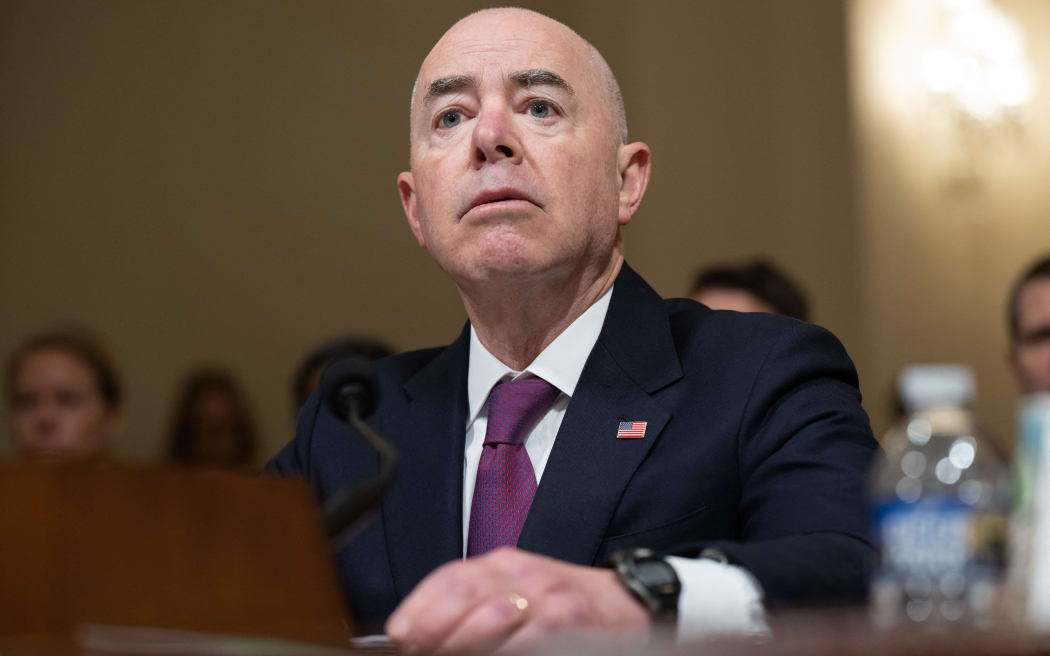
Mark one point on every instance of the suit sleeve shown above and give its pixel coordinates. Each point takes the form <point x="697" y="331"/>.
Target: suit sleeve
<point x="805" y="447"/>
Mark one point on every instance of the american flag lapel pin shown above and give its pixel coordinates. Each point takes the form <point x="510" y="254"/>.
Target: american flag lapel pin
<point x="628" y="430"/>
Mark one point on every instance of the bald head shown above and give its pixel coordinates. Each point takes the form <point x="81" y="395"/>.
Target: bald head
<point x="520" y="20"/>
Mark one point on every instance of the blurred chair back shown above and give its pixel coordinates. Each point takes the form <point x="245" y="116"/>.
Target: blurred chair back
<point x="176" y="548"/>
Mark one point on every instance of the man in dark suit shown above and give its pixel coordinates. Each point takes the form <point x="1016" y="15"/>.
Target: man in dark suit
<point x="578" y="416"/>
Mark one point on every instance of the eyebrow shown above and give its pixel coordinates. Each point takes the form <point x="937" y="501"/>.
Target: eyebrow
<point x="538" y="77"/>
<point x="533" y="77"/>
<point x="448" y="84"/>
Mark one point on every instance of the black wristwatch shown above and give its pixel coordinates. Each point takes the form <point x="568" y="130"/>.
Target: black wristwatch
<point x="651" y="580"/>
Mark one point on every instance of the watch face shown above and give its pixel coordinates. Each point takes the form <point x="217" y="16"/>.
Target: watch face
<point x="650" y="579"/>
<point x="658" y="576"/>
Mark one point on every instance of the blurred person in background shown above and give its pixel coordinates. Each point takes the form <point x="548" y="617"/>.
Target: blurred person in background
<point x="212" y="425"/>
<point x="308" y="374"/>
<point x="752" y="287"/>
<point x="64" y="397"/>
<point x="1028" y="317"/>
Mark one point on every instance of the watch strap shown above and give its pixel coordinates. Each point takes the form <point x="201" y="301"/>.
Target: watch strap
<point x="650" y="579"/>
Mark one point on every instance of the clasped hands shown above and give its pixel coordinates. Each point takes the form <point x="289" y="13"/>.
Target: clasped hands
<point x="508" y="601"/>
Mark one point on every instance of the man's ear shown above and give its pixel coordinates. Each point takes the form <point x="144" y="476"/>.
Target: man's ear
<point x="633" y="160"/>
<point x="408" y="202"/>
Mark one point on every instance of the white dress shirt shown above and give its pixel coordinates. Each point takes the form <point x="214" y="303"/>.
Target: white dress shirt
<point x="716" y="598"/>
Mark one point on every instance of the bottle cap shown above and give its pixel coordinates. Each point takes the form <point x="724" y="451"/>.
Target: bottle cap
<point x="928" y="385"/>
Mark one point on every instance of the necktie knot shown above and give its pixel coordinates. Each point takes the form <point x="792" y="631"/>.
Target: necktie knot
<point x="514" y="406"/>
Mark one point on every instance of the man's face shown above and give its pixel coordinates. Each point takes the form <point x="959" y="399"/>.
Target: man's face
<point x="1031" y="352"/>
<point x="58" y="410"/>
<point x="515" y="158"/>
<point x="216" y="440"/>
<point x="725" y="298"/>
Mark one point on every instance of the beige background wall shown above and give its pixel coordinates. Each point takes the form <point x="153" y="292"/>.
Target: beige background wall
<point x="214" y="182"/>
<point x="944" y="228"/>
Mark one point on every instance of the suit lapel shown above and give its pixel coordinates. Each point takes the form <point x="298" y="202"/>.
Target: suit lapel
<point x="423" y="511"/>
<point x="589" y="467"/>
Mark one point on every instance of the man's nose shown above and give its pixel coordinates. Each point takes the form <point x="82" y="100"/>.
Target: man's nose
<point x="44" y="425"/>
<point x="496" y="138"/>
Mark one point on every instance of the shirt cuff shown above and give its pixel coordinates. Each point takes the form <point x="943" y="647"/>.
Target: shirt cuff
<point x="717" y="599"/>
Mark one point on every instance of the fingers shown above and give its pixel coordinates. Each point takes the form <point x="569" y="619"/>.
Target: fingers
<point x="586" y="608"/>
<point x="510" y="600"/>
<point x="560" y="613"/>
<point x="489" y="625"/>
<point x="438" y="604"/>
<point x="447" y="599"/>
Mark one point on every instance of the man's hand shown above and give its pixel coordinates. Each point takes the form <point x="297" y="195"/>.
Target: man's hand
<point x="509" y="600"/>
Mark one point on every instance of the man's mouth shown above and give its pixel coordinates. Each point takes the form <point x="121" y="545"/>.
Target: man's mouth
<point x="504" y="196"/>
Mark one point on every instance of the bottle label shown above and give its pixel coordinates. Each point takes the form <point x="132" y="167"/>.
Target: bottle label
<point x="942" y="561"/>
<point x="937" y="535"/>
<point x="1031" y="564"/>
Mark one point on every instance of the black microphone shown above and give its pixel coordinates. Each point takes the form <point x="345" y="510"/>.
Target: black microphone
<point x="350" y="391"/>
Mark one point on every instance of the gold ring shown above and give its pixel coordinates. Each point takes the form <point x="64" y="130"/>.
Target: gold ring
<point x="519" y="602"/>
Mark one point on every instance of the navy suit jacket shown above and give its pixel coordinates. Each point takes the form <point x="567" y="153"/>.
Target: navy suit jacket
<point x="756" y="444"/>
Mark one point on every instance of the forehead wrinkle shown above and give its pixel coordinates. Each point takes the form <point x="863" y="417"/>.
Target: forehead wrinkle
<point x="487" y="42"/>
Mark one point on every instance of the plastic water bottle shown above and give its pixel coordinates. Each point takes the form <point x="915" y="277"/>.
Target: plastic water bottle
<point x="940" y="504"/>
<point x="1029" y="572"/>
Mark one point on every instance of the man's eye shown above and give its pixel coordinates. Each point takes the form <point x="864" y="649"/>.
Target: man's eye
<point x="540" y="109"/>
<point x="450" y="119"/>
<point x="1037" y="337"/>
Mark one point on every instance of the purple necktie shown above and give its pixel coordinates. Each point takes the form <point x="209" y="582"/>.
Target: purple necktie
<point x="505" y="484"/>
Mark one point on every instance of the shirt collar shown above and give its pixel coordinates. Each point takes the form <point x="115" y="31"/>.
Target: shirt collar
<point x="560" y="364"/>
